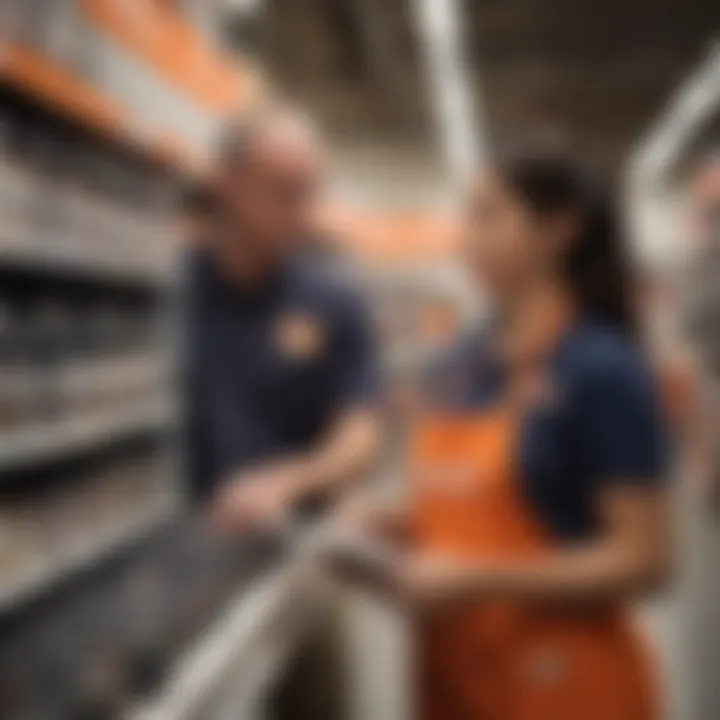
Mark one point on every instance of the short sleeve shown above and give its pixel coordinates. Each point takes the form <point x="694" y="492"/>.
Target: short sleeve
<point x="357" y="364"/>
<point x="620" y="422"/>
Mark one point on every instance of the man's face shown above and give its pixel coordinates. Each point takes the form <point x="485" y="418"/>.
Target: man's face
<point x="704" y="206"/>
<point x="271" y="194"/>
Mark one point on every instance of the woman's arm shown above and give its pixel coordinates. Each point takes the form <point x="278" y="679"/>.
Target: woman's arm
<point x="630" y="557"/>
<point x="619" y="431"/>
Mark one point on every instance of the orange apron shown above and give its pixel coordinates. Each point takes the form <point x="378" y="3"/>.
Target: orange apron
<point x="507" y="660"/>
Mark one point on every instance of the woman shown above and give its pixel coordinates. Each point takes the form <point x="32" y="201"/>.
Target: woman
<point x="537" y="509"/>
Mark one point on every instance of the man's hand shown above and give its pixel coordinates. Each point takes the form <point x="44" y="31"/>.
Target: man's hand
<point x="263" y="496"/>
<point x="258" y="498"/>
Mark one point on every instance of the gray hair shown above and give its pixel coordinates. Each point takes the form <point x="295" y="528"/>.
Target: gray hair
<point x="241" y="133"/>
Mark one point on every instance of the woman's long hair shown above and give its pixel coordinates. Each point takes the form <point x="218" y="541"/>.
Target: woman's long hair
<point x="551" y="181"/>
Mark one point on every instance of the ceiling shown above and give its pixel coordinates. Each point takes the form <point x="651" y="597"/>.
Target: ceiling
<point x="600" y="71"/>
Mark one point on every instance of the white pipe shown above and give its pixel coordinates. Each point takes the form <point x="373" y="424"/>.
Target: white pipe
<point x="451" y="93"/>
<point x="691" y="106"/>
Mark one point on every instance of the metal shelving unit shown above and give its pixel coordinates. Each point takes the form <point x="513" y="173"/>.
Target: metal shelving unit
<point x="52" y="262"/>
<point x="89" y="109"/>
<point x="54" y="441"/>
<point x="99" y="132"/>
<point x="42" y="576"/>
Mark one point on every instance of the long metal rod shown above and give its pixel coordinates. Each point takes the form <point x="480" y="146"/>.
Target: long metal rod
<point x="454" y="106"/>
<point x="656" y="155"/>
<point x="691" y="105"/>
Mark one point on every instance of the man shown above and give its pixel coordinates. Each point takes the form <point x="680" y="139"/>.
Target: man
<point x="282" y="369"/>
<point x="282" y="366"/>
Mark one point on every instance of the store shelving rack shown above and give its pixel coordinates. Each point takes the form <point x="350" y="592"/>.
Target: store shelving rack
<point x="31" y="77"/>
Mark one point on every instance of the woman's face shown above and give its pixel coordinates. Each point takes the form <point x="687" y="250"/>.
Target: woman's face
<point x="504" y="239"/>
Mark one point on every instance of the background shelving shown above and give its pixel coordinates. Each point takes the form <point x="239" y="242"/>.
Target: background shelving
<point x="107" y="113"/>
<point x="98" y="136"/>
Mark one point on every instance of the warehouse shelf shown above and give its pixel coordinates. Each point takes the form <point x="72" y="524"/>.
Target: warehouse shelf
<point x="77" y="265"/>
<point x="58" y="90"/>
<point x="87" y="553"/>
<point x="54" y="441"/>
<point x="170" y="46"/>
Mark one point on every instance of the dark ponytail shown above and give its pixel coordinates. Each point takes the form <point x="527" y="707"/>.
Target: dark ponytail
<point x="551" y="181"/>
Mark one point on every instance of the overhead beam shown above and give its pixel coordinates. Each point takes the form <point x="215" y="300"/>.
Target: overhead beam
<point x="693" y="105"/>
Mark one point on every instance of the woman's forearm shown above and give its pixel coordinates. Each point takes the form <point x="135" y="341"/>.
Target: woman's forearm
<point x="583" y="573"/>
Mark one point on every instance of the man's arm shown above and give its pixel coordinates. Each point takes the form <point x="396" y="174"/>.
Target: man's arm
<point x="346" y="453"/>
<point x="351" y="443"/>
<point x="346" y="450"/>
<point x="268" y="492"/>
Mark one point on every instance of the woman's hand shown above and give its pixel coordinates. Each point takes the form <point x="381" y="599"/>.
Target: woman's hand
<point x="366" y="516"/>
<point x="427" y="583"/>
<point x="361" y="515"/>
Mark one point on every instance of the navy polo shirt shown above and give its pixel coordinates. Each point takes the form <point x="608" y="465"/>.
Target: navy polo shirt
<point x="601" y="422"/>
<point x="269" y="367"/>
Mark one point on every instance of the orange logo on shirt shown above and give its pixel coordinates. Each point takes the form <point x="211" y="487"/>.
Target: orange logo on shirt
<point x="300" y="335"/>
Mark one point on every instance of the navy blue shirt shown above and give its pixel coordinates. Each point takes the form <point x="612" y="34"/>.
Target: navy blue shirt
<point x="601" y="423"/>
<point x="269" y="367"/>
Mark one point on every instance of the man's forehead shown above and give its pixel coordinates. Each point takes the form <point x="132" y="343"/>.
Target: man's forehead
<point x="285" y="148"/>
<point x="269" y="136"/>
